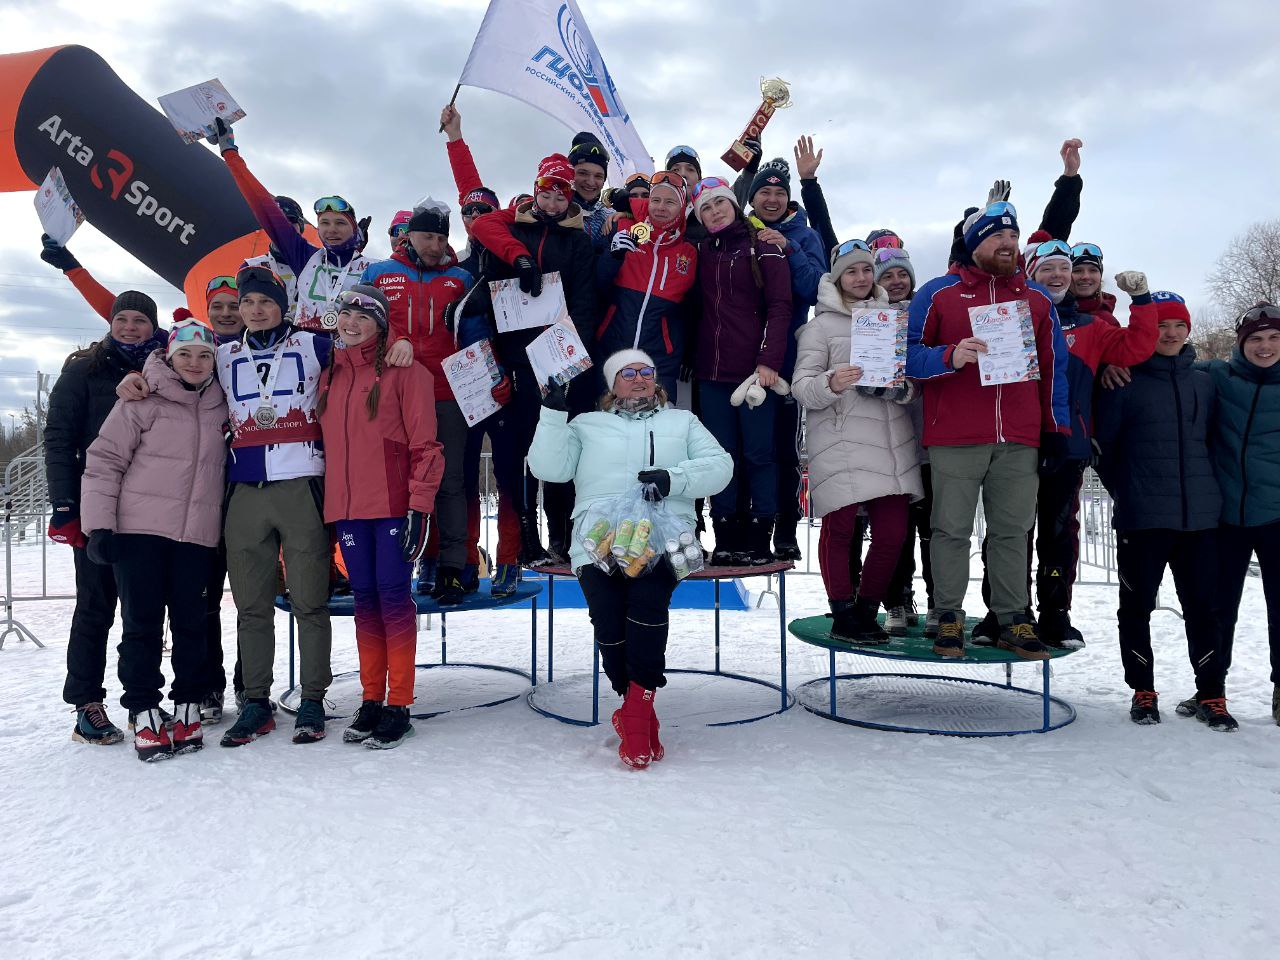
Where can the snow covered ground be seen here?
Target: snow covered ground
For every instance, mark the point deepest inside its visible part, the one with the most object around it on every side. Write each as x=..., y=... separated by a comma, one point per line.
x=500, y=833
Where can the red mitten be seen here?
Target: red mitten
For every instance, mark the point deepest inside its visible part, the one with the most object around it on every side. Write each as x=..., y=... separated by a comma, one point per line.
x=69, y=533
x=502, y=392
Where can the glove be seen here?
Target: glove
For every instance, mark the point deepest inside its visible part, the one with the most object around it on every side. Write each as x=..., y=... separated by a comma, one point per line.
x=556, y=397
x=657, y=484
x=102, y=547
x=451, y=315
x=64, y=525
x=414, y=535
x=56, y=255
x=363, y=224
x=1053, y=452
x=530, y=275
x=999, y=191
x=753, y=144
x=1132, y=282
x=225, y=137
x=622, y=244
x=686, y=371
x=501, y=391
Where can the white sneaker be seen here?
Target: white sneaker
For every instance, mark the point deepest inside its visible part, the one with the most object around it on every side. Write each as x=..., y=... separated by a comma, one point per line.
x=931, y=624
x=895, y=621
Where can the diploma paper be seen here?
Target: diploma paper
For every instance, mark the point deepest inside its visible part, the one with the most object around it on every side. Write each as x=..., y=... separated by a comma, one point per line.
x=472, y=372
x=193, y=110
x=59, y=215
x=558, y=354
x=514, y=310
x=878, y=344
x=1011, y=355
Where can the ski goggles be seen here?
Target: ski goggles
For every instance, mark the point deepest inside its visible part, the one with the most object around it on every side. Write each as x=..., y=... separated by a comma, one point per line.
x=644, y=373
x=191, y=333
x=683, y=150
x=552, y=184
x=259, y=274
x=1050, y=247
x=667, y=177
x=355, y=300
x=334, y=204
x=888, y=254
x=709, y=183
x=1001, y=208
x=219, y=284
x=848, y=247
x=887, y=241
x=1087, y=251
x=476, y=209
x=637, y=180
x=1263, y=311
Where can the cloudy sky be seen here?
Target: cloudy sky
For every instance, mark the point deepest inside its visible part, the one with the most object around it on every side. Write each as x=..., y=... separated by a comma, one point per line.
x=918, y=106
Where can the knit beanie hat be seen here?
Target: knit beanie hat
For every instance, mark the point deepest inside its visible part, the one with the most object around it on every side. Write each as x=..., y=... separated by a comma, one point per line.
x=623, y=358
x=775, y=173
x=995, y=216
x=1170, y=306
x=846, y=255
x=366, y=299
x=884, y=238
x=263, y=280
x=684, y=154
x=430, y=216
x=587, y=148
x=479, y=195
x=887, y=258
x=1264, y=316
x=636, y=180
x=291, y=209
x=190, y=333
x=555, y=172
x=707, y=190
x=400, y=220
x=133, y=300
x=1058, y=252
x=1086, y=254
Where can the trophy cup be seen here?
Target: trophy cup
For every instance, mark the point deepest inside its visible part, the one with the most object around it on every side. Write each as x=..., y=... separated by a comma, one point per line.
x=776, y=97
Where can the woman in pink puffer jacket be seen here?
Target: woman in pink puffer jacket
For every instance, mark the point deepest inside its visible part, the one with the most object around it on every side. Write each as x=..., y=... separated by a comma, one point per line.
x=151, y=502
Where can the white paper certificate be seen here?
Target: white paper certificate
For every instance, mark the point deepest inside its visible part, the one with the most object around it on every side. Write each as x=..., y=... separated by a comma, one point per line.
x=193, y=110
x=472, y=372
x=1007, y=330
x=59, y=215
x=557, y=354
x=878, y=344
x=514, y=310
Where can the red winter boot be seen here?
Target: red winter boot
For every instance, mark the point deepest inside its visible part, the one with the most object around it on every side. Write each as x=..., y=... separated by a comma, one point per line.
x=655, y=745
x=631, y=721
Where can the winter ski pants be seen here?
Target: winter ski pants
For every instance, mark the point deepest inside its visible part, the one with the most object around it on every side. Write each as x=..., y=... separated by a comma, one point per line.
x=786, y=451
x=1236, y=546
x=156, y=574
x=631, y=618
x=386, y=624
x=748, y=436
x=451, y=499
x=1004, y=475
x=91, y=621
x=1142, y=556
x=262, y=520
x=508, y=547
x=215, y=667
x=837, y=545
x=901, y=588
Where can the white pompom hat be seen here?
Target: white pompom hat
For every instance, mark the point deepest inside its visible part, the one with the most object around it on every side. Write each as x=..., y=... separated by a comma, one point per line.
x=623, y=358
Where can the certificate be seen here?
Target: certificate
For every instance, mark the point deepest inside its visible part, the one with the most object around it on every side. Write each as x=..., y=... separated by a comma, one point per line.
x=472, y=373
x=557, y=354
x=878, y=344
x=515, y=310
x=59, y=215
x=193, y=110
x=1007, y=330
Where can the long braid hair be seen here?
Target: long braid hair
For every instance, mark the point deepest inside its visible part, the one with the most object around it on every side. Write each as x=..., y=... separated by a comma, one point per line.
x=752, y=234
x=375, y=392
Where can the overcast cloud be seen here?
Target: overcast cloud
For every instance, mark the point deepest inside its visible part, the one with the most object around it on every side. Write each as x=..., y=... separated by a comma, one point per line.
x=918, y=106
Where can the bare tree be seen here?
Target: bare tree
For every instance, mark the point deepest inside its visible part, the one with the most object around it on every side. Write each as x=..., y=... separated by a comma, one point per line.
x=1248, y=270
x=1213, y=331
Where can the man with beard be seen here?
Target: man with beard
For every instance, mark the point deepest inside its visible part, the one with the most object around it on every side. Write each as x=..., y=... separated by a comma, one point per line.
x=982, y=439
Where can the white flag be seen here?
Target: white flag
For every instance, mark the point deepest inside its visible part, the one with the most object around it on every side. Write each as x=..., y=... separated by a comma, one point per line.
x=541, y=52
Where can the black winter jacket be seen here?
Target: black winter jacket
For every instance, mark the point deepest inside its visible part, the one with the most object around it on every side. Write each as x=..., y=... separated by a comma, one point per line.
x=1154, y=435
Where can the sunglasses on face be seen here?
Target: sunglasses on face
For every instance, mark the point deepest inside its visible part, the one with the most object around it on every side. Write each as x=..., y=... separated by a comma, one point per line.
x=1086, y=249
x=1050, y=247
x=398, y=230
x=332, y=205
x=476, y=209
x=630, y=373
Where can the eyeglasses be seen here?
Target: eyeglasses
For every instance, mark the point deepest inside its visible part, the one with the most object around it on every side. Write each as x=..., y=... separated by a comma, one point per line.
x=333, y=204
x=848, y=247
x=1263, y=311
x=710, y=183
x=221, y=283
x=682, y=150
x=885, y=254
x=644, y=373
x=888, y=240
x=354, y=300
x=476, y=209
x=1086, y=250
x=1050, y=247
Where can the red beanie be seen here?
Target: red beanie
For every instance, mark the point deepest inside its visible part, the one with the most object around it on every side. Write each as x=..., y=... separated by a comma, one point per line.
x=555, y=172
x=1170, y=306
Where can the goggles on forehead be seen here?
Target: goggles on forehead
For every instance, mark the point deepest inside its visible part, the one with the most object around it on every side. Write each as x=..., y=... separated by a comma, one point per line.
x=683, y=150
x=1001, y=208
x=192, y=332
x=476, y=209
x=667, y=177
x=552, y=183
x=1050, y=247
x=259, y=273
x=354, y=300
x=1086, y=250
x=221, y=283
x=1263, y=311
x=848, y=247
x=709, y=183
x=333, y=204
x=886, y=254
x=889, y=240
x=630, y=373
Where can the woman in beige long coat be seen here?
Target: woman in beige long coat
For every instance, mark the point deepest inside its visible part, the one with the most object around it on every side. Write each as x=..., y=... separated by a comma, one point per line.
x=861, y=444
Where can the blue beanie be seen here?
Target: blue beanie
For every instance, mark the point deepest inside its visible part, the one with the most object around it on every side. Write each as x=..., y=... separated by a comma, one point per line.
x=997, y=216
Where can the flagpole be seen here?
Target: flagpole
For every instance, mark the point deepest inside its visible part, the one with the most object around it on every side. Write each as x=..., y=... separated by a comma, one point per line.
x=452, y=101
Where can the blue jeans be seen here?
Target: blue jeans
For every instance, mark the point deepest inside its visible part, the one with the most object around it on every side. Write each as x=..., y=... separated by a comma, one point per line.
x=747, y=436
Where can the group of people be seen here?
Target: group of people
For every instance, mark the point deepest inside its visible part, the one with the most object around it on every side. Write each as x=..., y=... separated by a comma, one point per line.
x=312, y=411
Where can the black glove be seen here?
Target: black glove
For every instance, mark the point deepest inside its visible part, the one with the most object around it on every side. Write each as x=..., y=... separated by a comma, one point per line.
x=102, y=547
x=620, y=200
x=1053, y=452
x=622, y=244
x=530, y=275
x=56, y=255
x=451, y=315
x=556, y=397
x=363, y=224
x=686, y=371
x=414, y=535
x=655, y=478
x=753, y=144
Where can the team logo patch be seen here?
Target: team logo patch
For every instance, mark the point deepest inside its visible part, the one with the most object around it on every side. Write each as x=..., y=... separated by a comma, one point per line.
x=1071, y=339
x=683, y=264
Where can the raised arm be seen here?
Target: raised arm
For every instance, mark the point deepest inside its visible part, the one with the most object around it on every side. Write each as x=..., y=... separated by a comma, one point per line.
x=1063, y=208
x=811, y=196
x=94, y=293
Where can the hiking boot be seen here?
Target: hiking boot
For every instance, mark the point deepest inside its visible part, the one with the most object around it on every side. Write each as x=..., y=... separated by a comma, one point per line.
x=759, y=530
x=632, y=723
x=425, y=581
x=449, y=591
x=987, y=632
x=186, y=733
x=364, y=722
x=1213, y=711
x=1021, y=638
x=728, y=543
x=211, y=709
x=1144, y=708
x=94, y=727
x=656, y=752
x=785, y=546
x=505, y=580
x=531, y=552
x=895, y=622
x=151, y=736
x=255, y=720
x=950, y=641
x=931, y=624
x=392, y=730
x=1188, y=707
x=308, y=726
x=241, y=700
x=165, y=715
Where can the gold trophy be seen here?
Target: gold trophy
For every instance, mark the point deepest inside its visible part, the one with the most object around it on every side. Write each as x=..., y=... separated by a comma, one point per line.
x=776, y=97
x=641, y=232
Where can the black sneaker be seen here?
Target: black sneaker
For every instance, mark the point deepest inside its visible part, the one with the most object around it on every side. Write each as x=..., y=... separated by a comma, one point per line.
x=449, y=591
x=1021, y=638
x=987, y=632
x=308, y=726
x=94, y=727
x=363, y=723
x=241, y=700
x=392, y=730
x=255, y=720
x=785, y=545
x=211, y=709
x=1144, y=708
x=950, y=641
x=1187, y=708
x=1213, y=711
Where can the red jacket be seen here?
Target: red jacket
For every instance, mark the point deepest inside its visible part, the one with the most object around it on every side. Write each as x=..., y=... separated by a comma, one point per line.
x=417, y=297
x=391, y=465
x=958, y=409
x=1102, y=307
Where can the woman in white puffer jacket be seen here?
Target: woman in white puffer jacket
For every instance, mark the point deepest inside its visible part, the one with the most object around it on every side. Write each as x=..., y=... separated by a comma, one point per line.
x=861, y=445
